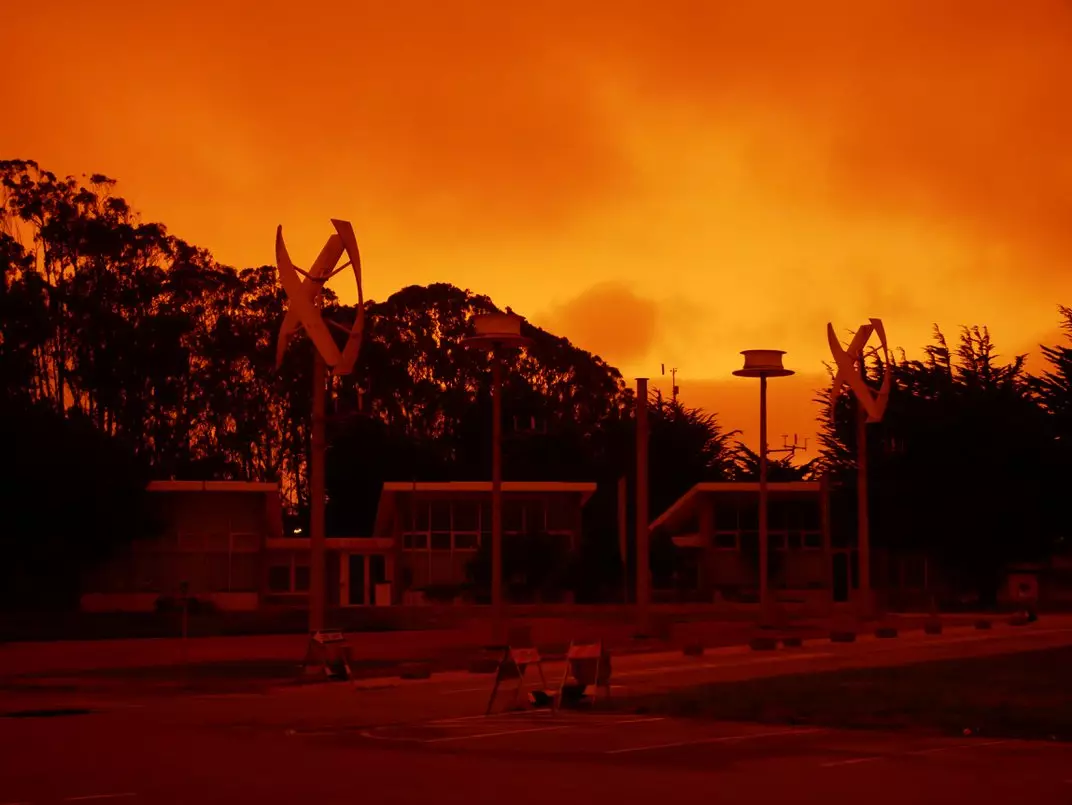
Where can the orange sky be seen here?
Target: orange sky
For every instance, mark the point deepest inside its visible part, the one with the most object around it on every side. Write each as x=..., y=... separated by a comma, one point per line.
x=661, y=182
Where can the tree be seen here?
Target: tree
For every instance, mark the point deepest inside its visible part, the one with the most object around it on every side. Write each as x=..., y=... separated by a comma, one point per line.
x=959, y=466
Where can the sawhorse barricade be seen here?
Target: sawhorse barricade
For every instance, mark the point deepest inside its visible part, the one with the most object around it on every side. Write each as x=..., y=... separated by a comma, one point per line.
x=330, y=650
x=514, y=663
x=589, y=666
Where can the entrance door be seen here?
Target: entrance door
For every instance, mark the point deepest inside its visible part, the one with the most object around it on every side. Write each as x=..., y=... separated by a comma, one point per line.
x=357, y=579
x=841, y=576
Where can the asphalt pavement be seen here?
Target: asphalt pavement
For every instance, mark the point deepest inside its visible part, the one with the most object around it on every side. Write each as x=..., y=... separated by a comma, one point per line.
x=425, y=740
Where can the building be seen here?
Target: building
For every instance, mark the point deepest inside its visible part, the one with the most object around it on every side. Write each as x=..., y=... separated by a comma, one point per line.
x=225, y=539
x=212, y=537
x=425, y=536
x=714, y=530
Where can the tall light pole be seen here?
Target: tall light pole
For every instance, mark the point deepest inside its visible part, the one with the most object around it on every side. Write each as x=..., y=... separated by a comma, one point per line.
x=304, y=313
x=763, y=363
x=493, y=332
x=643, y=553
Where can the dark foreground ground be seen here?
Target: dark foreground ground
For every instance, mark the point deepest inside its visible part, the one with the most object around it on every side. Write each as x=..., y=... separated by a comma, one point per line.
x=427, y=742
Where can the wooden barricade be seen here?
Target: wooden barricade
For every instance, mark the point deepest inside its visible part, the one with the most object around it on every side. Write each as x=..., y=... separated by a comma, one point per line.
x=588, y=665
x=328, y=649
x=513, y=665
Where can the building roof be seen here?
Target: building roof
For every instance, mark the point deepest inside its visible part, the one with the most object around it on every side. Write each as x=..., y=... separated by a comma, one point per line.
x=392, y=488
x=212, y=486
x=685, y=506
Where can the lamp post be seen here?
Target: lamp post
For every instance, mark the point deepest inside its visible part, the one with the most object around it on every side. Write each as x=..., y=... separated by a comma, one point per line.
x=493, y=332
x=763, y=363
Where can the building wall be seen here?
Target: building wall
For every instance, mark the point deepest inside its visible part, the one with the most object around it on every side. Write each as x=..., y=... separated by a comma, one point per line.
x=440, y=533
x=211, y=540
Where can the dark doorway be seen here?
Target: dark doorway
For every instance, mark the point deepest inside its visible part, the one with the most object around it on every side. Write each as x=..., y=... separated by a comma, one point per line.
x=841, y=576
x=377, y=570
x=357, y=579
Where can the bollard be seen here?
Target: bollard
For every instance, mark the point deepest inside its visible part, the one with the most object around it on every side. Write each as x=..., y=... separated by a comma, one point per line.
x=843, y=637
x=885, y=632
x=763, y=644
x=792, y=642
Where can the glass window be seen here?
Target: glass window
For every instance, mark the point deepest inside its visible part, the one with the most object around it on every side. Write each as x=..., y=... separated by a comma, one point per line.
x=416, y=516
x=725, y=516
x=796, y=540
x=466, y=542
x=441, y=515
x=748, y=516
x=440, y=540
x=777, y=540
x=813, y=540
x=779, y=516
x=810, y=514
x=513, y=516
x=560, y=513
x=279, y=578
x=466, y=516
x=415, y=542
x=301, y=579
x=535, y=516
x=245, y=542
x=726, y=540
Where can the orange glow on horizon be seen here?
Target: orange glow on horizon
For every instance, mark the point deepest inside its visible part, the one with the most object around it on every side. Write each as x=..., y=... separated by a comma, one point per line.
x=661, y=185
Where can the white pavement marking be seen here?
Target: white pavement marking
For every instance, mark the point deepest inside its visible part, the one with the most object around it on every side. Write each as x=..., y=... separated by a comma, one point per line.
x=718, y=739
x=492, y=734
x=851, y=761
x=101, y=796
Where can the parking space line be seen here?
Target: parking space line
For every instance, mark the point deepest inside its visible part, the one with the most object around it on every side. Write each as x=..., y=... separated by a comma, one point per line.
x=492, y=734
x=851, y=761
x=717, y=739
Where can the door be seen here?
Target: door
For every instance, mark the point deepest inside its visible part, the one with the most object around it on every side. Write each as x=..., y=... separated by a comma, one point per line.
x=357, y=579
x=841, y=576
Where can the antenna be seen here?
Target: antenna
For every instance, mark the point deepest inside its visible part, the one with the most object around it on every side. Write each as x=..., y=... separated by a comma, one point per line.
x=673, y=382
x=790, y=449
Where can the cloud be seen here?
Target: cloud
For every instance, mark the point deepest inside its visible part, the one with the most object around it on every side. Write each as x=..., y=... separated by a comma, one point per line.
x=610, y=320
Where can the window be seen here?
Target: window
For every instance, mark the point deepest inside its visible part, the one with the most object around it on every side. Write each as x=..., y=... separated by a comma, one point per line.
x=560, y=513
x=415, y=542
x=778, y=516
x=513, y=517
x=218, y=541
x=466, y=542
x=279, y=578
x=777, y=540
x=796, y=540
x=466, y=516
x=748, y=516
x=535, y=516
x=301, y=579
x=440, y=516
x=726, y=540
x=813, y=540
x=415, y=518
x=441, y=540
x=245, y=542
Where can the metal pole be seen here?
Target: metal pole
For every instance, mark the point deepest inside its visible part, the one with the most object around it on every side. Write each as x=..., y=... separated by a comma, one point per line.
x=863, y=539
x=763, y=592
x=317, y=498
x=496, y=497
x=643, y=558
x=623, y=538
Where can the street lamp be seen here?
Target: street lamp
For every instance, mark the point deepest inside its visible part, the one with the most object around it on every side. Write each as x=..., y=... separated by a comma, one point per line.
x=763, y=363
x=494, y=331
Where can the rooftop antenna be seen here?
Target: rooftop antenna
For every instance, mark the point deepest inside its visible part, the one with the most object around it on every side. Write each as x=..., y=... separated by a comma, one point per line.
x=673, y=382
x=790, y=449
